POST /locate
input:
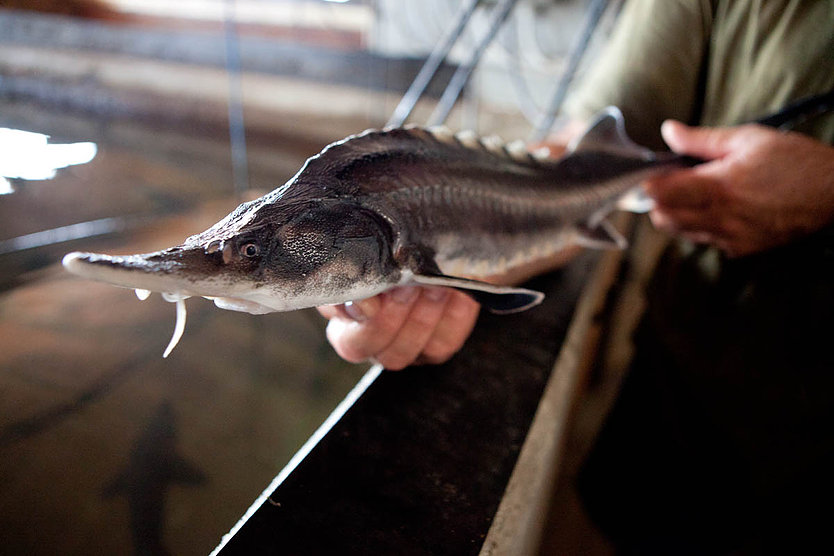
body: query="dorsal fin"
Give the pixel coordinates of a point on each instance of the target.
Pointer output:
(606, 133)
(322, 174)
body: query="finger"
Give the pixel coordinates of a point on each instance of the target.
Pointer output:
(363, 309)
(547, 150)
(685, 220)
(705, 142)
(700, 237)
(696, 226)
(331, 311)
(339, 331)
(459, 317)
(359, 310)
(416, 331)
(664, 222)
(683, 189)
(356, 341)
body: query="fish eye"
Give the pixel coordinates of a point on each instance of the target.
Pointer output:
(249, 250)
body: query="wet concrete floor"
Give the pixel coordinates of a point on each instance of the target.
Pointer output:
(106, 447)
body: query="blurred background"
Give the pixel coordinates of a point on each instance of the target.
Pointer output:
(128, 125)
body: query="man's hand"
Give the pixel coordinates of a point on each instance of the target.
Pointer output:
(761, 188)
(403, 326)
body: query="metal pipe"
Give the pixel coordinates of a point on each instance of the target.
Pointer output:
(432, 64)
(461, 76)
(237, 127)
(81, 230)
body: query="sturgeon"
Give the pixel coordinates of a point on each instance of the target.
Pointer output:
(400, 206)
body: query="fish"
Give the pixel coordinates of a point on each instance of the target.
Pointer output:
(400, 206)
(152, 468)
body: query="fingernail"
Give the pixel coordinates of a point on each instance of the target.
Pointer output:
(542, 152)
(362, 309)
(354, 311)
(404, 294)
(436, 294)
(670, 128)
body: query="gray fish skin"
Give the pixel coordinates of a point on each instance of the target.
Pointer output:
(400, 206)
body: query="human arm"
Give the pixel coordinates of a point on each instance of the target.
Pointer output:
(760, 188)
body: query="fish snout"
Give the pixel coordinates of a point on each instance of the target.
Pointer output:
(97, 265)
(176, 269)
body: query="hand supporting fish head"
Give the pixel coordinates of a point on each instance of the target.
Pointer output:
(278, 258)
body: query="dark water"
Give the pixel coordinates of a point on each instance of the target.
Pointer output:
(105, 447)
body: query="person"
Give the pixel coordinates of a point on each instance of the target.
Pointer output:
(721, 440)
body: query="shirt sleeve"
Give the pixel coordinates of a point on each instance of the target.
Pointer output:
(650, 68)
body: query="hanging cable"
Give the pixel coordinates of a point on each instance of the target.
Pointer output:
(237, 129)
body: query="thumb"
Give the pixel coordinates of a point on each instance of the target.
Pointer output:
(705, 142)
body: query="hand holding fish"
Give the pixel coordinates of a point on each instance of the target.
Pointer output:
(410, 325)
(760, 189)
(407, 325)
(417, 210)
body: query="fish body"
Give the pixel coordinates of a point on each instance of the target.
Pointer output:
(401, 206)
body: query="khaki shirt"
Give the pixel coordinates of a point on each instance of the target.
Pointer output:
(713, 63)
(738, 349)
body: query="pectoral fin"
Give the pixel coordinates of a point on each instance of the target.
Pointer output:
(603, 235)
(498, 299)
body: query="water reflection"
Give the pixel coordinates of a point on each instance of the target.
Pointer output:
(106, 447)
(66, 233)
(30, 156)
